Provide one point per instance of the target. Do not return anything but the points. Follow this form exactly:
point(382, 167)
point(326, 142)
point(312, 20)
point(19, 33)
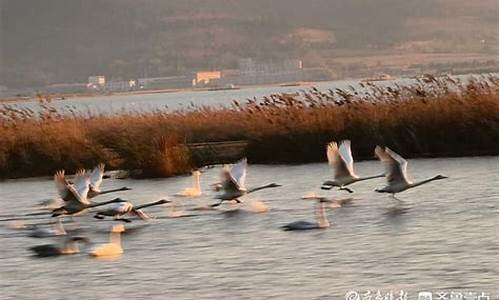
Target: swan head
point(163, 201)
point(59, 211)
point(117, 200)
point(272, 185)
point(118, 228)
point(438, 177)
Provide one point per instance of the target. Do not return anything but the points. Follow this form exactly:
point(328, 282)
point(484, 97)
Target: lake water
point(444, 237)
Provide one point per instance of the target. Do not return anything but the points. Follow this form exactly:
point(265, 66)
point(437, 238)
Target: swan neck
point(101, 203)
point(196, 182)
point(110, 191)
point(148, 205)
point(115, 238)
point(260, 188)
point(422, 182)
point(58, 227)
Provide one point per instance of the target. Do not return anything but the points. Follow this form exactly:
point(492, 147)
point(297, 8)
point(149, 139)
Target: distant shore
point(62, 97)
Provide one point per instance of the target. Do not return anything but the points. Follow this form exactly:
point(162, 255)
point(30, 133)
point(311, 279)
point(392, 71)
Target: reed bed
point(431, 117)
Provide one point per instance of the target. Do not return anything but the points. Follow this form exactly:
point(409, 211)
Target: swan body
point(340, 158)
point(113, 248)
point(396, 172)
point(120, 209)
point(233, 183)
point(70, 210)
point(195, 190)
point(109, 249)
point(321, 220)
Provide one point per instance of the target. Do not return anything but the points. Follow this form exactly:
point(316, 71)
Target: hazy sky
point(47, 41)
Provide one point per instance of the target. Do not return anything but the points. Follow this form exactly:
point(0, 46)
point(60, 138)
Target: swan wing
point(395, 165)
point(139, 213)
point(227, 183)
point(114, 209)
point(402, 163)
point(96, 177)
point(238, 173)
point(81, 186)
point(346, 155)
point(340, 168)
point(61, 185)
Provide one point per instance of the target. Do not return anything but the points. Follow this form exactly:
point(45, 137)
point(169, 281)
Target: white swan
point(120, 209)
point(195, 190)
point(113, 248)
point(321, 220)
point(340, 158)
point(75, 195)
point(95, 177)
point(396, 174)
point(233, 183)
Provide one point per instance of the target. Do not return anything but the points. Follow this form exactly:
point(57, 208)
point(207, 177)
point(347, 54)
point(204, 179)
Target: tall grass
point(432, 117)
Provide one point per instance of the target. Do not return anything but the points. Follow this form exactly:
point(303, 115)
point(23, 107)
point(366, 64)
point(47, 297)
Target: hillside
point(52, 41)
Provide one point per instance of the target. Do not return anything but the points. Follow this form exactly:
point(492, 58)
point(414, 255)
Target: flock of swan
point(76, 195)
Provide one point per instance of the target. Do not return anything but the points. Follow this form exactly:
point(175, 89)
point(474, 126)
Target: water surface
point(444, 238)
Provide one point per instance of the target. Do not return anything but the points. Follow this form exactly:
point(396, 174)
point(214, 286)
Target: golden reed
point(431, 117)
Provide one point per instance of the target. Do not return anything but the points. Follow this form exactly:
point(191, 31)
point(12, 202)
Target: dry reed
point(431, 117)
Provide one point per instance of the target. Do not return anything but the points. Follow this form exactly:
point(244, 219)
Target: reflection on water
point(442, 236)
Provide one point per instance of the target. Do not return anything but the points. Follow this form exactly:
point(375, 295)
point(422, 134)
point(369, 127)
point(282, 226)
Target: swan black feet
point(346, 189)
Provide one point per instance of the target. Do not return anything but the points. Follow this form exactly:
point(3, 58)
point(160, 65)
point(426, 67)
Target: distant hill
point(50, 41)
